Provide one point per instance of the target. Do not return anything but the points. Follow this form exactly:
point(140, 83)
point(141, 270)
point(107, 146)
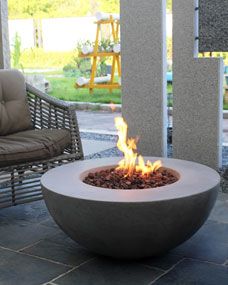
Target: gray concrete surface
point(4, 36)
point(91, 147)
point(197, 93)
point(97, 122)
point(143, 51)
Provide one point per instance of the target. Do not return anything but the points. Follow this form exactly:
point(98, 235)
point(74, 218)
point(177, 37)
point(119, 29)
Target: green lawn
point(63, 88)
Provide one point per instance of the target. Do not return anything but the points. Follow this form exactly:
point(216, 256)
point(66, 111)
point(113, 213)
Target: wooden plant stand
point(96, 54)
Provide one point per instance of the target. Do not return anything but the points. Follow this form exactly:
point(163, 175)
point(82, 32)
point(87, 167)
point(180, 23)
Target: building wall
point(4, 37)
point(60, 34)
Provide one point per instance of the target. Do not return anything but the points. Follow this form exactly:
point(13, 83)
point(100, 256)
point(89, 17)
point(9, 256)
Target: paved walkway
point(97, 122)
point(103, 122)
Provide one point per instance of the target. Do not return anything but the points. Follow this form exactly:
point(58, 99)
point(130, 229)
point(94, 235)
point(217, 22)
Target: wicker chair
point(20, 182)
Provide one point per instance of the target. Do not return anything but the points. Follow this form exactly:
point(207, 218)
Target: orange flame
point(132, 161)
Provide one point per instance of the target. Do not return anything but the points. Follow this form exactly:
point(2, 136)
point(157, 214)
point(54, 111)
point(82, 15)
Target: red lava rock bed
point(117, 179)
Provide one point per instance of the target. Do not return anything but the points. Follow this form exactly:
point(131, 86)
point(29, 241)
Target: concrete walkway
point(97, 122)
point(103, 123)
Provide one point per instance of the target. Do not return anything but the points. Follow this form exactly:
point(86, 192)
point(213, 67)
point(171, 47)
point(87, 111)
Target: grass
point(225, 106)
point(63, 88)
point(38, 58)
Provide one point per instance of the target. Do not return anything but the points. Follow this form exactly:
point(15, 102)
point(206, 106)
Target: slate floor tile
point(102, 271)
point(63, 238)
point(215, 232)
point(190, 272)
point(19, 269)
point(220, 211)
point(17, 236)
point(64, 253)
point(203, 248)
point(31, 212)
point(164, 262)
point(49, 222)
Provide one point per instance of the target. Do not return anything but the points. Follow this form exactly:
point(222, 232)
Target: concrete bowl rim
point(66, 181)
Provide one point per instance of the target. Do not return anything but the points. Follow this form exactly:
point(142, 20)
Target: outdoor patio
point(127, 208)
point(35, 251)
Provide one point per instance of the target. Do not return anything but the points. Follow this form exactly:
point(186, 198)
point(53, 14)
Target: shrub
point(80, 66)
point(16, 53)
point(38, 58)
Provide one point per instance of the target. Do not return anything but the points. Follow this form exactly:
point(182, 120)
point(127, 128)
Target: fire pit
point(130, 223)
point(130, 209)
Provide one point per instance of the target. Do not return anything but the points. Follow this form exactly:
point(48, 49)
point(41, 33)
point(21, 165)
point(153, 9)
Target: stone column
point(143, 51)
point(197, 88)
point(4, 36)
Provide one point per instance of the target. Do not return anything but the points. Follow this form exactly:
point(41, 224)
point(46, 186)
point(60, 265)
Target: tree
point(63, 8)
point(93, 6)
point(47, 8)
point(30, 8)
point(169, 5)
point(109, 6)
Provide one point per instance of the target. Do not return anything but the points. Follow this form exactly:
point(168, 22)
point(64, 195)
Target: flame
point(132, 161)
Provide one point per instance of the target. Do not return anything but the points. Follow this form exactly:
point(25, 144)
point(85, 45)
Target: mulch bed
point(116, 179)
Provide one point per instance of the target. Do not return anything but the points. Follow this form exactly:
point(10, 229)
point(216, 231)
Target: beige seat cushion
point(14, 109)
point(32, 145)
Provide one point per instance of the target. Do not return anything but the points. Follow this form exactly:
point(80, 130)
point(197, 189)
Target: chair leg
point(12, 181)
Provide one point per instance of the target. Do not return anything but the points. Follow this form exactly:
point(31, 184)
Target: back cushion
point(14, 110)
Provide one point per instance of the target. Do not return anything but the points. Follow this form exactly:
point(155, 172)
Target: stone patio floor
point(34, 251)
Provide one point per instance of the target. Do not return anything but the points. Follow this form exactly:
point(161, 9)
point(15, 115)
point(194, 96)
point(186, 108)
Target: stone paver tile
point(20, 235)
point(220, 211)
point(215, 232)
point(164, 262)
point(64, 253)
point(31, 212)
point(20, 269)
point(49, 222)
point(191, 272)
point(104, 271)
point(203, 248)
point(63, 238)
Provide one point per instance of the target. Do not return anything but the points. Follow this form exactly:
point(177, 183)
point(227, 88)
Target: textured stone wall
point(197, 112)
point(213, 25)
point(143, 48)
point(4, 36)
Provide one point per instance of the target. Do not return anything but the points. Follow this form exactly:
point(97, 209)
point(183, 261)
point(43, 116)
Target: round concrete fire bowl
point(130, 223)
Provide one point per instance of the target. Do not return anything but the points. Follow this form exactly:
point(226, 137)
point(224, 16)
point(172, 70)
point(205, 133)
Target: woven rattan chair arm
point(50, 113)
point(49, 99)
